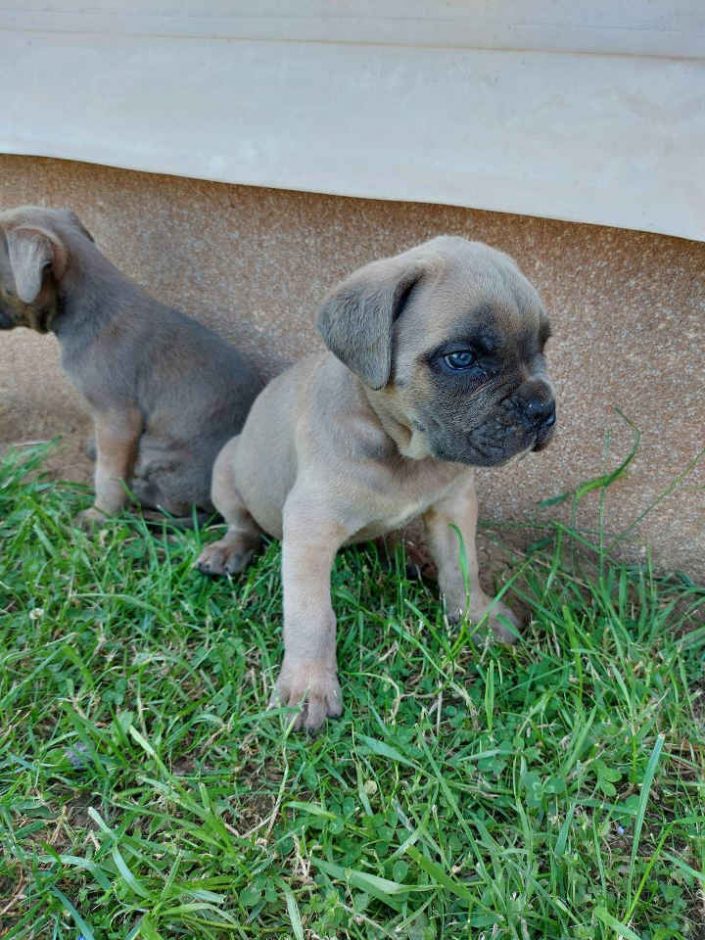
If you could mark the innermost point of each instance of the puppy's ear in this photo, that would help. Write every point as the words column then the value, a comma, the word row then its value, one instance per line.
column 31, row 251
column 356, row 319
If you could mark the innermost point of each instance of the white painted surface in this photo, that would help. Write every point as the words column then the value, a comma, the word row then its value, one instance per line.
column 591, row 112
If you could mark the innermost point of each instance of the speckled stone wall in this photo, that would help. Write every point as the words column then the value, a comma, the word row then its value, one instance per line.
column 628, row 312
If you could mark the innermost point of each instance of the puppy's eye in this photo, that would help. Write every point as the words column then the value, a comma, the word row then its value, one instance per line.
column 459, row 360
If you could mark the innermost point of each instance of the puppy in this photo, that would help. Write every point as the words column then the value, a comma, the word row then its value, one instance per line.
column 435, row 365
column 165, row 393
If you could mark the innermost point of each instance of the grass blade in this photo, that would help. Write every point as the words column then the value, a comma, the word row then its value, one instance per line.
column 440, row 876
column 622, row 931
column 78, row 920
column 294, row 913
column 643, row 800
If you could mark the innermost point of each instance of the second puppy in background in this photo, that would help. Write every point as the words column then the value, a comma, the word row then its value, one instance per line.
column 165, row 392
column 436, row 365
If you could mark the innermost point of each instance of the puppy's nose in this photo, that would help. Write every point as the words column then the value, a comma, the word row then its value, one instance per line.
column 536, row 405
column 541, row 412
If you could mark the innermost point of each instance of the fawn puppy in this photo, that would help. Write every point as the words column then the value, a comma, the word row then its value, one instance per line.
column 435, row 364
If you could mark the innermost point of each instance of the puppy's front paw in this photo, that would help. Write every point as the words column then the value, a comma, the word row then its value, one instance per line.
column 91, row 519
column 503, row 622
column 315, row 688
column 223, row 557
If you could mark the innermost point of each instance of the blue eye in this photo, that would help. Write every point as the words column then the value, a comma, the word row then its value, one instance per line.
column 457, row 361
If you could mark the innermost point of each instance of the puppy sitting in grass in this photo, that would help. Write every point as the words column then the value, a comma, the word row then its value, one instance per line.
column 435, row 365
column 165, row 393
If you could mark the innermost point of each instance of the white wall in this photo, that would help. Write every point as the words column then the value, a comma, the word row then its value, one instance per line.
column 586, row 111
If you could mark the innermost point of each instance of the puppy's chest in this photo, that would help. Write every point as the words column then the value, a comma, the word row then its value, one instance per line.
column 406, row 514
column 388, row 523
column 395, row 507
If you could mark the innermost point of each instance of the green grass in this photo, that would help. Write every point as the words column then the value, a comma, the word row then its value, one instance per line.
column 556, row 790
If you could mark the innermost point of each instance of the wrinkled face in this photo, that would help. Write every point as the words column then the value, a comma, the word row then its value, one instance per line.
column 468, row 368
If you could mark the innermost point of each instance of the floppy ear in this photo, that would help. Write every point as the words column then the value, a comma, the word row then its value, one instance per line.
column 31, row 251
column 356, row 319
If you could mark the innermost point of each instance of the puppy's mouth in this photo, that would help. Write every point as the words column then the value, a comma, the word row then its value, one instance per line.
column 487, row 445
column 491, row 454
column 485, row 453
column 544, row 438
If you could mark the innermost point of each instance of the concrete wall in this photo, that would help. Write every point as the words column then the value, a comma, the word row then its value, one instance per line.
column 628, row 312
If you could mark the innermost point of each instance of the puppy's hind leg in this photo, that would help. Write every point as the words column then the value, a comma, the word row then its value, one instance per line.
column 233, row 552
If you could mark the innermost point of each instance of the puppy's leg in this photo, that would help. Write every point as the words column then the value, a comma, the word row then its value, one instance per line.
column 309, row 672
column 117, row 434
column 459, row 508
column 233, row 552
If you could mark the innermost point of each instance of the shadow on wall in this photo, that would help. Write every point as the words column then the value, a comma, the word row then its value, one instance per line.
column 626, row 307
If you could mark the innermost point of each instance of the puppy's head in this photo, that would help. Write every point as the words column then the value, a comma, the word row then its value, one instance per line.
column 34, row 257
column 450, row 336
